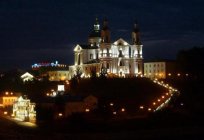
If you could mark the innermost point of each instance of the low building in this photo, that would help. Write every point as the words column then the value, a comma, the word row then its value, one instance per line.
column 58, row 75
column 159, row 69
column 24, row 110
column 83, row 105
column 27, row 77
column 7, row 99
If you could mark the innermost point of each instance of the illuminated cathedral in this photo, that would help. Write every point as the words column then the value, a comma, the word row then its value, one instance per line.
column 118, row 58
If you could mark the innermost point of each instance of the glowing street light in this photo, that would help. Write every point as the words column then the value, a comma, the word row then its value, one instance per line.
column 111, row 104
column 87, row 110
column 123, row 109
column 60, row 114
column 141, row 107
column 114, row 113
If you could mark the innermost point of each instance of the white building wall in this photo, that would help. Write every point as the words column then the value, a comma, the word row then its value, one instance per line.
column 155, row 70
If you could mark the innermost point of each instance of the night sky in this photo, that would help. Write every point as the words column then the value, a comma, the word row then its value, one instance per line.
column 47, row 30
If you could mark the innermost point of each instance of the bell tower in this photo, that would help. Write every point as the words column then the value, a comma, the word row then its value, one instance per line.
column 105, row 47
column 137, row 44
column 105, row 33
column 94, row 38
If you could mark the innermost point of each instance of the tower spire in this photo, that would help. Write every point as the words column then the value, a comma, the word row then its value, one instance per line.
column 136, row 34
column 105, row 33
column 96, row 25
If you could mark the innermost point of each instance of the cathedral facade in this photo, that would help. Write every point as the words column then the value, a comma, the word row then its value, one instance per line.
column 118, row 58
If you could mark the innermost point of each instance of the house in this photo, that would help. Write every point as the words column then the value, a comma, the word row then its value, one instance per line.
column 7, row 99
column 24, row 110
column 27, row 77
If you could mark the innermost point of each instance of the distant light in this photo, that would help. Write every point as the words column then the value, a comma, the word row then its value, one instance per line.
column 123, row 109
column 60, row 114
column 149, row 109
column 182, row 104
column 111, row 104
column 169, row 74
column 158, row 100
column 178, row 74
column 163, row 97
column 167, row 93
column 5, row 112
column 87, row 110
column 60, row 88
column 6, row 93
column 114, row 113
column 186, row 74
column 141, row 107
column 154, row 103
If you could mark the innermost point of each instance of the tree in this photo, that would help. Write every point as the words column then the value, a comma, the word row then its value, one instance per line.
column 103, row 72
column 93, row 72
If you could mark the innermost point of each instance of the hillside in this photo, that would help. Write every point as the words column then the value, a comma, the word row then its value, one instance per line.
column 125, row 92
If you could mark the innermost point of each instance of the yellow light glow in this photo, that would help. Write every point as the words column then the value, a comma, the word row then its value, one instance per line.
column 163, row 97
column 167, row 93
column 154, row 103
column 158, row 100
column 123, row 109
column 178, row 74
column 6, row 93
column 169, row 74
column 87, row 110
column 60, row 114
column 5, row 112
column 111, row 104
column 141, row 107
column 149, row 109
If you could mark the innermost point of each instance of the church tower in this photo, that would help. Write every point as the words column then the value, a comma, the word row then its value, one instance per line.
column 136, row 41
column 105, row 33
column 95, row 36
column 105, row 47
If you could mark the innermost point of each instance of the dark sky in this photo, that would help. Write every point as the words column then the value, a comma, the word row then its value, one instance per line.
column 46, row 30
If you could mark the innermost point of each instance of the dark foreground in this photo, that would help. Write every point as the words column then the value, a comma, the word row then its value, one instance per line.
column 165, row 127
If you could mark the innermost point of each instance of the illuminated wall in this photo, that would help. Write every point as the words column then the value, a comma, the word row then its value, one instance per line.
column 155, row 70
column 7, row 100
column 58, row 75
column 24, row 110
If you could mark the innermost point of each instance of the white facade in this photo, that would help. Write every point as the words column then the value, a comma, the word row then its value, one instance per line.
column 27, row 77
column 118, row 58
column 24, row 110
column 155, row 70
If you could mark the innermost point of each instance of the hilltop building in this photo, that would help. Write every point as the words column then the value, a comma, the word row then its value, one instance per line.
column 53, row 71
column 118, row 58
column 160, row 69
